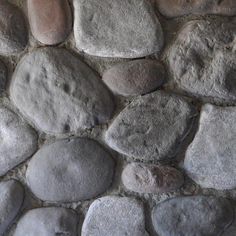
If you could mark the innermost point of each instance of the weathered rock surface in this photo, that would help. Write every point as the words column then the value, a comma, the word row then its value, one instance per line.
column 3, row 76
column 231, row 230
column 134, row 77
column 48, row 221
column 210, row 159
column 59, row 93
column 151, row 127
column 195, row 215
column 50, row 21
column 111, row 28
column 115, row 216
column 11, row 200
column 175, row 8
column 18, row 140
column 70, row 170
column 13, row 30
column 203, row 61
column 154, row 179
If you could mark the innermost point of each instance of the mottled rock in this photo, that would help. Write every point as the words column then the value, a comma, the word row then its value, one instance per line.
column 70, row 170
column 3, row 76
column 11, row 199
column 50, row 21
column 111, row 28
column 18, row 140
column 154, row 179
column 115, row 216
column 231, row 230
column 175, row 8
column 202, row 60
column 48, row 221
column 134, row 77
column 151, row 127
column 13, row 30
column 210, row 159
column 59, row 93
column 195, row 215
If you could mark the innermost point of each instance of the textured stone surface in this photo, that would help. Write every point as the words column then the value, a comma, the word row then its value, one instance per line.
column 11, row 199
column 3, row 76
column 111, row 28
column 70, row 170
column 210, row 159
column 174, row 8
column 134, row 77
column 115, row 216
column 154, row 179
column 197, row 215
column 50, row 21
column 59, row 93
column 13, row 30
column 231, row 230
column 151, row 127
column 49, row 221
column 202, row 59
column 18, row 140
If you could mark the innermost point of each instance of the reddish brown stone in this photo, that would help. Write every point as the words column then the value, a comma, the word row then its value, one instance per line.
column 50, row 20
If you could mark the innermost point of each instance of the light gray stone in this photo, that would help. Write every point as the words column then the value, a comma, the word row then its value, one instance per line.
column 202, row 60
column 111, row 28
column 11, row 200
column 210, row 159
column 195, row 215
column 59, row 93
column 151, row 127
column 18, row 140
column 154, row 179
column 3, row 76
column 135, row 77
column 70, row 170
column 13, row 30
column 115, row 216
column 48, row 221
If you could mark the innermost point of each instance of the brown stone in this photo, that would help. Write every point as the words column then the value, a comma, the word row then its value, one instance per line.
column 50, row 20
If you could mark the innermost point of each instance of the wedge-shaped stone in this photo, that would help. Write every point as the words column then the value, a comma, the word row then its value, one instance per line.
column 59, row 93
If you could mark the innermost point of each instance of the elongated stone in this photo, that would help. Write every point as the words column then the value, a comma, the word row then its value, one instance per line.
column 3, row 76
column 59, row 93
column 70, row 170
column 50, row 20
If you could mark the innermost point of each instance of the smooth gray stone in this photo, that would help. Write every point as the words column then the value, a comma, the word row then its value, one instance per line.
column 202, row 60
column 13, row 29
column 70, row 170
column 115, row 216
column 111, row 28
column 18, row 140
column 11, row 200
column 48, row 221
column 151, row 127
column 3, row 76
column 211, row 158
column 59, row 93
column 194, row 215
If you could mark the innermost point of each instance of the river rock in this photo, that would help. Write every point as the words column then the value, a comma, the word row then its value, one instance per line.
column 59, row 93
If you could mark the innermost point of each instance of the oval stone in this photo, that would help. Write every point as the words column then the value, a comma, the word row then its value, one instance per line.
column 134, row 77
column 48, row 221
column 59, row 93
column 13, row 29
column 153, row 179
column 18, row 140
column 115, row 216
column 151, row 127
column 70, row 170
column 50, row 20
column 195, row 215
column 11, row 200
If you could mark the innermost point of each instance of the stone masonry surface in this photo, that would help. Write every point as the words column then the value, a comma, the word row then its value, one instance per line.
column 117, row 118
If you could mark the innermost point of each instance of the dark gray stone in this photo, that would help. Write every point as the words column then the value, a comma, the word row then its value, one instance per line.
column 111, row 28
column 195, row 216
column 59, row 93
column 70, row 170
column 3, row 76
column 151, row 127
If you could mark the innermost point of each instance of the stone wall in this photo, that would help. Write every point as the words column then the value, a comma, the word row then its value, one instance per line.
column 117, row 117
